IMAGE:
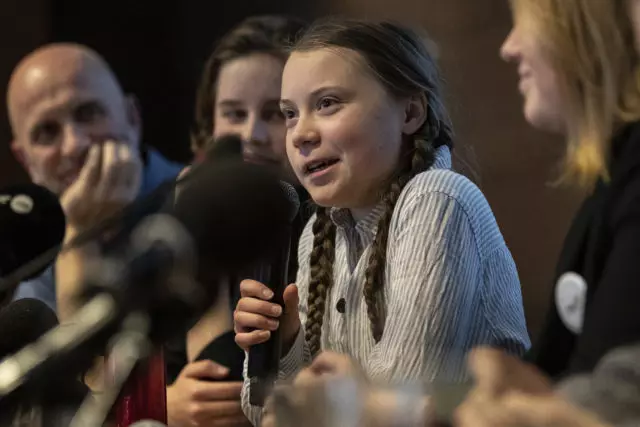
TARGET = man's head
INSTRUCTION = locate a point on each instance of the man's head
(62, 98)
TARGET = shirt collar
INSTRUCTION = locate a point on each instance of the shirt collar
(342, 217)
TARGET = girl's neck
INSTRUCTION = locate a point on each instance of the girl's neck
(359, 214)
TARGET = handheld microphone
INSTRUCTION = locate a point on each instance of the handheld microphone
(264, 358)
(31, 223)
(226, 147)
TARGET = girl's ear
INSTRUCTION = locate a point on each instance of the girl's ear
(415, 114)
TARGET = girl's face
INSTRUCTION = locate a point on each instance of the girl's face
(344, 130)
(246, 104)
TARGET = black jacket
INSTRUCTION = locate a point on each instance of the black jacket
(603, 247)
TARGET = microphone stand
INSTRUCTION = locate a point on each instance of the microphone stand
(130, 346)
(95, 315)
(129, 215)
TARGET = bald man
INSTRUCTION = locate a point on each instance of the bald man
(78, 134)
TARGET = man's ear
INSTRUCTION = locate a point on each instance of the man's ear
(134, 115)
(19, 153)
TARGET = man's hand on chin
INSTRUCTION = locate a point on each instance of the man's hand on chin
(109, 180)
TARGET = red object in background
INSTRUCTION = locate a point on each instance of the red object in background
(145, 395)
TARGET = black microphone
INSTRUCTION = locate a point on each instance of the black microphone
(24, 258)
(31, 223)
(228, 146)
(153, 276)
(23, 322)
(225, 149)
(264, 358)
(235, 212)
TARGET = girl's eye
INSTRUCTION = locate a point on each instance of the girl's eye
(326, 102)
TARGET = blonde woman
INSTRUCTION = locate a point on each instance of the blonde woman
(578, 68)
(578, 77)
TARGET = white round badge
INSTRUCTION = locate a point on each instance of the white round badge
(21, 204)
(571, 299)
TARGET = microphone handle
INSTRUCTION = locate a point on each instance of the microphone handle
(264, 359)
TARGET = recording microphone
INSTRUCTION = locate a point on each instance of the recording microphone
(226, 147)
(31, 223)
(22, 322)
(264, 358)
(30, 210)
(155, 276)
(235, 212)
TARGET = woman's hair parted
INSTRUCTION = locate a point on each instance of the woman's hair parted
(398, 57)
(590, 44)
(270, 34)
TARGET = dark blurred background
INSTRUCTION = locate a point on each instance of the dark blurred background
(158, 51)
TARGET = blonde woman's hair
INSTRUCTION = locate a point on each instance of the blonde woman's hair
(591, 46)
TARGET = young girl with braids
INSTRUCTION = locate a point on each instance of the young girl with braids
(403, 267)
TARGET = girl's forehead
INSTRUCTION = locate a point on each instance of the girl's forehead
(308, 71)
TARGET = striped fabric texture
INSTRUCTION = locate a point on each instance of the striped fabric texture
(450, 285)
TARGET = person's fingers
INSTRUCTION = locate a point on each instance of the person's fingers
(255, 289)
(246, 340)
(496, 372)
(305, 378)
(547, 411)
(332, 363)
(481, 412)
(90, 172)
(254, 305)
(128, 181)
(218, 391)
(110, 171)
(204, 410)
(291, 300)
(245, 322)
(489, 370)
(232, 421)
(205, 369)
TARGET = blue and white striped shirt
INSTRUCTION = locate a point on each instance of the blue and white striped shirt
(450, 285)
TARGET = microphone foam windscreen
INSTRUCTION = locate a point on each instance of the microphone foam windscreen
(292, 195)
(224, 148)
(235, 212)
(22, 322)
(31, 223)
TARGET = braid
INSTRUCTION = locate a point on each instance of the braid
(321, 260)
(423, 156)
